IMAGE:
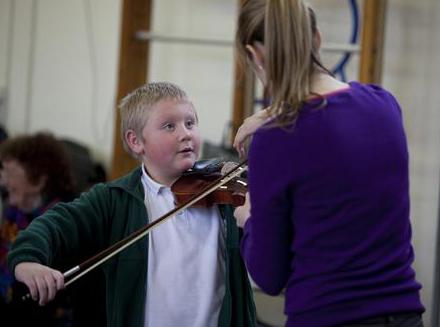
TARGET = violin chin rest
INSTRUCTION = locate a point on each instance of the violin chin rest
(206, 166)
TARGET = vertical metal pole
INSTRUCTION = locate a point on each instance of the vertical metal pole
(372, 43)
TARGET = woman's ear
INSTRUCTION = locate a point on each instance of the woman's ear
(133, 141)
(256, 54)
(317, 39)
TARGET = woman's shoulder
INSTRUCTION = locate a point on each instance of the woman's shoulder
(350, 95)
(374, 95)
(369, 88)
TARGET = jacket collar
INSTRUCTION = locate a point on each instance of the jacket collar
(131, 183)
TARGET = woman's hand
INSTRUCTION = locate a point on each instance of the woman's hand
(249, 126)
(243, 213)
(43, 282)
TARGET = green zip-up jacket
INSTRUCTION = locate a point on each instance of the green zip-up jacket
(101, 217)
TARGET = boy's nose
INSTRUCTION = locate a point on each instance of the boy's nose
(185, 133)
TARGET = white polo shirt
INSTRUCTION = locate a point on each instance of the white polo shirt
(186, 263)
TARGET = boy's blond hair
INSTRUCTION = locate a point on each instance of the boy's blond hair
(134, 106)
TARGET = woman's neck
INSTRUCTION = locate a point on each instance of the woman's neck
(323, 83)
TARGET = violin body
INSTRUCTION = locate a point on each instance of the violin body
(233, 192)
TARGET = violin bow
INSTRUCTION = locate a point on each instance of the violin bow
(93, 262)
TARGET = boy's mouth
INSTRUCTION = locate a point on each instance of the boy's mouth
(186, 150)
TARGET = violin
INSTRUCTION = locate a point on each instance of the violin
(203, 174)
(229, 193)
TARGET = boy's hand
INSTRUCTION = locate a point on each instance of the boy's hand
(243, 213)
(43, 282)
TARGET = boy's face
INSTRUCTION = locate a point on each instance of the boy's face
(170, 140)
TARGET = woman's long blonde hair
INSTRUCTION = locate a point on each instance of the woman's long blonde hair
(287, 28)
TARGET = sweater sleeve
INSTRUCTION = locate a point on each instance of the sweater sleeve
(268, 232)
(64, 231)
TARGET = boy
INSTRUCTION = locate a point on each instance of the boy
(188, 271)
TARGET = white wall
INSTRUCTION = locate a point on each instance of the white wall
(62, 65)
(412, 72)
(58, 66)
(204, 71)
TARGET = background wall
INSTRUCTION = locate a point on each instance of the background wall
(58, 70)
(412, 72)
(204, 71)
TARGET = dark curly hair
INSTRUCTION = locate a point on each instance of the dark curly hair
(41, 155)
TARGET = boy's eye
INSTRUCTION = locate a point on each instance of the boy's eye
(168, 126)
(190, 123)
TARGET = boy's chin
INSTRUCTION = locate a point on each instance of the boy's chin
(186, 163)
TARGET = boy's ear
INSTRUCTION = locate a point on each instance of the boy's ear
(133, 141)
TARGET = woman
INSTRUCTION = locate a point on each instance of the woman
(36, 175)
(327, 218)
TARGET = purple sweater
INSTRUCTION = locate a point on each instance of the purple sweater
(330, 211)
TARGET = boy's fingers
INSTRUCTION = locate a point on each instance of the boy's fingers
(33, 291)
(42, 290)
(51, 287)
(59, 279)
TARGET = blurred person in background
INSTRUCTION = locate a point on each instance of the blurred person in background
(3, 136)
(36, 175)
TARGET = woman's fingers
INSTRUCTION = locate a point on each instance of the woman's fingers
(228, 166)
(243, 213)
(247, 129)
(241, 139)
